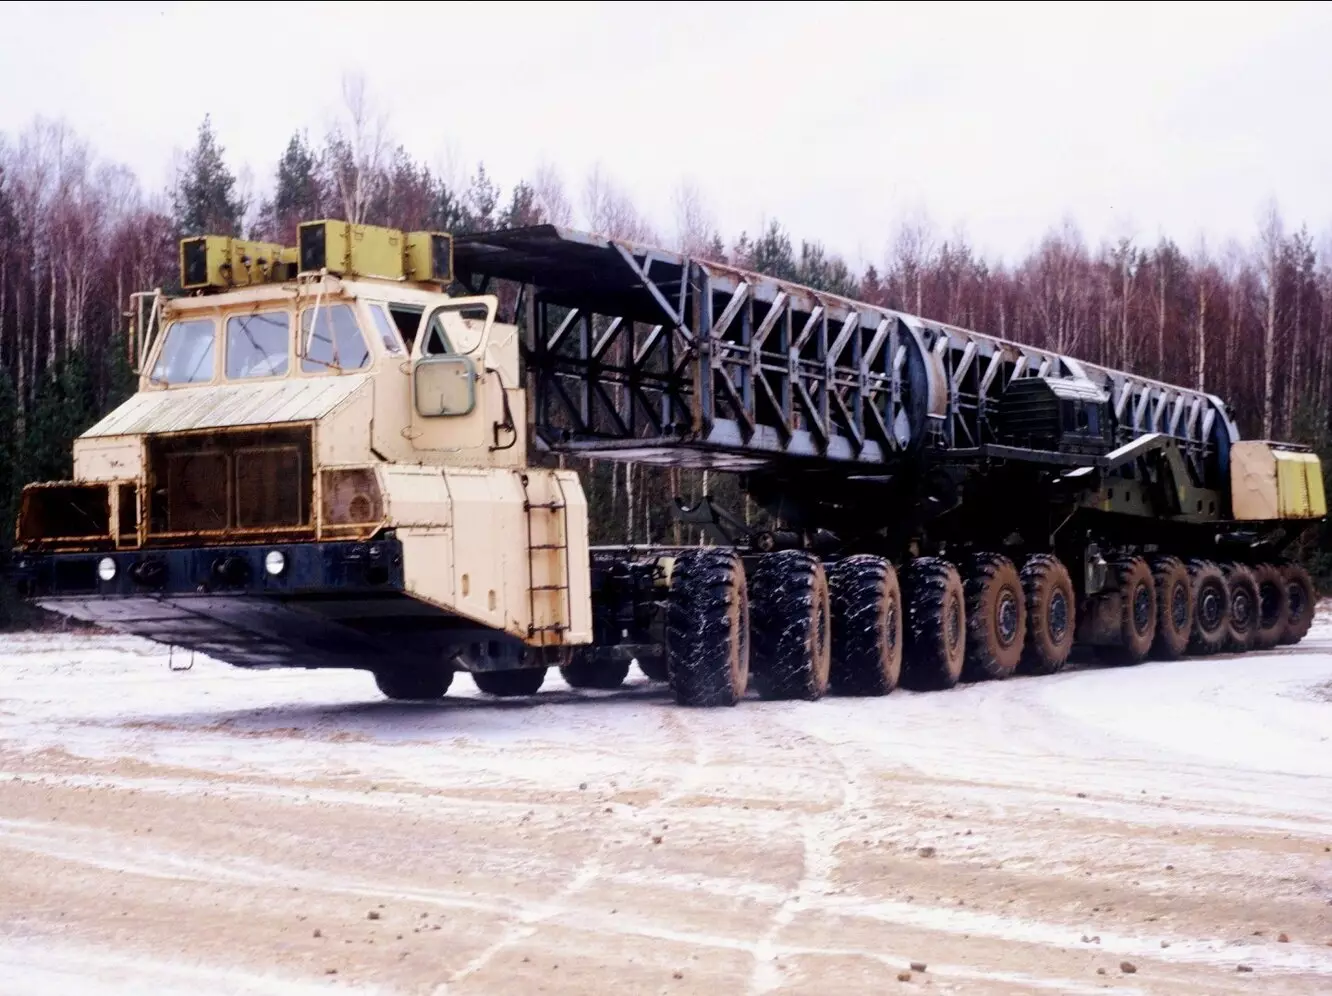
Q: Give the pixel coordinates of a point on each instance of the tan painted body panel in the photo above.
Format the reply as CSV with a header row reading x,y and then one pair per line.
x,y
1269,484
465,539
343,434
109,458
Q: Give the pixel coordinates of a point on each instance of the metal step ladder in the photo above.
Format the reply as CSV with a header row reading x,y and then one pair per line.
x,y
557,507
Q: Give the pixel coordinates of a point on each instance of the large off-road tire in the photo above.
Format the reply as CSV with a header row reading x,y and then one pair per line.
x,y
653,667
867,618
791,629
1301,599
1051,615
414,684
1211,607
583,671
1242,598
996,617
707,628
935,638
1273,606
1174,608
1137,619
510,684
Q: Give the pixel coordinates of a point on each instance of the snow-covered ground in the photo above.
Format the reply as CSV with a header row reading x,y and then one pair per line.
x,y
215,830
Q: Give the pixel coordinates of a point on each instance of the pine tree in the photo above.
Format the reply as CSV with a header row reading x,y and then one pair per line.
x,y
446,208
205,199
871,287
481,203
298,189
299,195
523,209
819,271
772,254
118,376
64,408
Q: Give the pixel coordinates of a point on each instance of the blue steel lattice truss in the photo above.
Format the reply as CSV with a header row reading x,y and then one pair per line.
x,y
644,354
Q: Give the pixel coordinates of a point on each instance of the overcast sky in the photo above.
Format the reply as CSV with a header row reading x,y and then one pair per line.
x,y
837,119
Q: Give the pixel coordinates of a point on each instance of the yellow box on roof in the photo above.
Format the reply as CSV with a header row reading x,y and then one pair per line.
x,y
373,252
352,250
221,262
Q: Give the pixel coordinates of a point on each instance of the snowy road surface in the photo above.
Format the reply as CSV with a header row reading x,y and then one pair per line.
x,y
1160,829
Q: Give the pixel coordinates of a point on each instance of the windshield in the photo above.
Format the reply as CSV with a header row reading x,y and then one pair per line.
x,y
333,341
257,345
187,353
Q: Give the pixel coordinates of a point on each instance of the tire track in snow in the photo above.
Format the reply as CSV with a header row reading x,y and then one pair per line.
x,y
821,833
107,851
529,918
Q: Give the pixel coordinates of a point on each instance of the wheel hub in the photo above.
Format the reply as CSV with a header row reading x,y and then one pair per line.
x,y
1007,618
1142,608
954,623
1179,605
1057,619
1241,609
1270,601
1296,596
1209,608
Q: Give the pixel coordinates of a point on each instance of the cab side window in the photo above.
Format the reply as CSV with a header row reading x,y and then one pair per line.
x,y
387,334
408,319
436,339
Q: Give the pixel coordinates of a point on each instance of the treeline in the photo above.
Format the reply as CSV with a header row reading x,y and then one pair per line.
x,y
1249,322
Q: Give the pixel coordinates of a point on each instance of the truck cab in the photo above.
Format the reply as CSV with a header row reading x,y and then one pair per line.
x,y
325,464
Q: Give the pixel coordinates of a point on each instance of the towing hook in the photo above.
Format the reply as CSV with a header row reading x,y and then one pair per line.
x,y
231,570
150,572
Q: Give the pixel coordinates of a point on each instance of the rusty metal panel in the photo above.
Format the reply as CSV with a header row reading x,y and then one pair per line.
x,y
227,405
233,483
64,513
197,492
268,492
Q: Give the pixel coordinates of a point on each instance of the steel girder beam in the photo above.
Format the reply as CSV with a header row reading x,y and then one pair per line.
x,y
634,350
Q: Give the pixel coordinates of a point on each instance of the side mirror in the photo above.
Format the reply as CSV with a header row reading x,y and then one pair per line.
x,y
444,385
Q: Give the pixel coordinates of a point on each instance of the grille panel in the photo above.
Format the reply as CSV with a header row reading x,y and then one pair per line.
x,y
196,491
268,492
238,483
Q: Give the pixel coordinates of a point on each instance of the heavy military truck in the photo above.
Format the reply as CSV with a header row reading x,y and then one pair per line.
x,y
332,461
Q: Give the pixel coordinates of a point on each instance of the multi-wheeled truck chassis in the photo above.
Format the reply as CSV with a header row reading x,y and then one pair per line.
x,y
327,465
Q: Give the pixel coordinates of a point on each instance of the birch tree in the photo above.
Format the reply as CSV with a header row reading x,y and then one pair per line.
x,y
1271,236
356,150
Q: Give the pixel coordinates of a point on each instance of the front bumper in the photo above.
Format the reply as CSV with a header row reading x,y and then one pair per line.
x,y
343,567
335,604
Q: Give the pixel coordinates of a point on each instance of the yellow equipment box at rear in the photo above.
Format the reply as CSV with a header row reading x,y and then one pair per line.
x,y
1269,483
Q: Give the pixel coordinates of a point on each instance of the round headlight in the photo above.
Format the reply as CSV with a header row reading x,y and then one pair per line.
x,y
275,563
106,569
